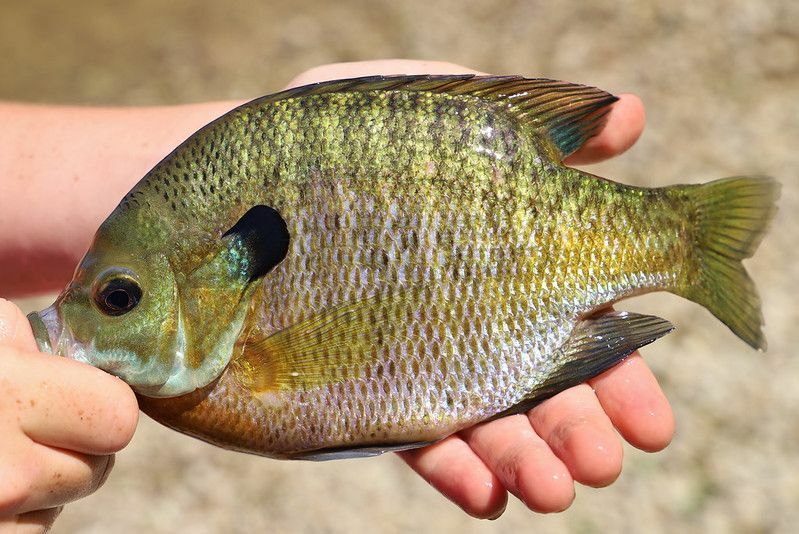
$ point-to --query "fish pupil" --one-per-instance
(119, 296)
(118, 299)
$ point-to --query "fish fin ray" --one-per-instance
(327, 347)
(732, 216)
(597, 343)
(565, 114)
(367, 451)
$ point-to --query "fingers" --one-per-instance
(51, 407)
(59, 402)
(457, 472)
(36, 522)
(66, 404)
(45, 478)
(567, 438)
(523, 462)
(624, 125)
(631, 397)
(576, 428)
(14, 329)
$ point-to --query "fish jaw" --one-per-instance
(53, 336)
(46, 326)
(153, 379)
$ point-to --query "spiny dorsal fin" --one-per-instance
(566, 114)
(596, 344)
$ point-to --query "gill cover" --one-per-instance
(213, 300)
(165, 327)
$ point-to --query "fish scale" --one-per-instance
(499, 378)
(372, 264)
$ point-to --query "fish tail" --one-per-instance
(731, 218)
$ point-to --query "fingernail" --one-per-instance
(499, 513)
(107, 471)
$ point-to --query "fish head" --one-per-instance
(165, 323)
(119, 312)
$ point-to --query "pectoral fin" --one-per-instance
(327, 347)
(596, 344)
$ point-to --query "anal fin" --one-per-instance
(597, 343)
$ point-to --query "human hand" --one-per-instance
(60, 423)
(570, 437)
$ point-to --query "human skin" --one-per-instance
(72, 165)
(60, 421)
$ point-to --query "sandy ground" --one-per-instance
(720, 80)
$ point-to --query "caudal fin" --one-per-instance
(733, 214)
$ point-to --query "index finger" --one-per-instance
(624, 124)
(66, 404)
(63, 403)
(386, 67)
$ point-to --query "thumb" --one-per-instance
(14, 328)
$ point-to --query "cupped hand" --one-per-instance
(60, 423)
(572, 437)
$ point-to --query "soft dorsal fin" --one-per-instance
(564, 113)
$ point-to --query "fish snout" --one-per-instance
(47, 329)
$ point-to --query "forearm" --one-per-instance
(62, 171)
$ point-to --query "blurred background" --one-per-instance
(720, 79)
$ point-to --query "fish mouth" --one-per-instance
(53, 336)
(47, 329)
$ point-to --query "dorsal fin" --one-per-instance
(566, 114)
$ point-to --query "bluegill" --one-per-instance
(371, 264)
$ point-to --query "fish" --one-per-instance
(372, 264)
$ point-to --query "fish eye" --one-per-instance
(117, 293)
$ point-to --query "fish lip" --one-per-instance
(46, 326)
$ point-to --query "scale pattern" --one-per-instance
(474, 253)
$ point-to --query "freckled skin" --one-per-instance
(447, 251)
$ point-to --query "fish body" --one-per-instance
(371, 264)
